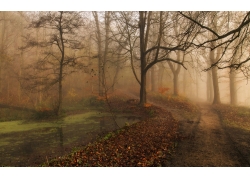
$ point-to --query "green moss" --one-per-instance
(108, 136)
(21, 125)
(5, 141)
(88, 117)
(18, 126)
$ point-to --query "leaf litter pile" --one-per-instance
(149, 142)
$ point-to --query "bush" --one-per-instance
(90, 101)
(8, 114)
(44, 113)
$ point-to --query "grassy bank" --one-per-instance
(147, 143)
(233, 116)
(184, 106)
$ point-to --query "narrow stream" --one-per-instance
(29, 143)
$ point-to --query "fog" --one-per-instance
(31, 52)
(52, 61)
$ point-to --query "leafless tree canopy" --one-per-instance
(46, 49)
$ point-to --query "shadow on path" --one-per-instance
(206, 143)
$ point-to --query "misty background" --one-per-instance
(48, 59)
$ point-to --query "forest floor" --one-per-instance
(207, 143)
(172, 133)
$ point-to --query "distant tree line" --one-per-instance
(44, 52)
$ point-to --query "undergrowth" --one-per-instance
(187, 108)
(234, 116)
(8, 114)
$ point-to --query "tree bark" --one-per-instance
(197, 85)
(209, 87)
(102, 54)
(233, 93)
(160, 77)
(105, 55)
(142, 23)
(21, 67)
(185, 83)
(100, 57)
(116, 72)
(216, 89)
(2, 48)
(176, 72)
(175, 80)
(61, 69)
(154, 79)
(213, 59)
(149, 85)
(159, 51)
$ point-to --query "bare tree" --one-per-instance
(175, 68)
(225, 38)
(103, 47)
(60, 50)
(210, 40)
(151, 40)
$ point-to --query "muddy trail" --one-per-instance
(205, 143)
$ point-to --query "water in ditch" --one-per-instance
(29, 143)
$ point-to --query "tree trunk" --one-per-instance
(215, 78)
(185, 83)
(8, 91)
(233, 93)
(116, 75)
(117, 70)
(213, 59)
(143, 89)
(59, 106)
(105, 55)
(60, 78)
(175, 80)
(143, 58)
(148, 82)
(197, 85)
(209, 87)
(153, 79)
(216, 86)
(21, 67)
(2, 48)
(176, 71)
(100, 60)
(160, 77)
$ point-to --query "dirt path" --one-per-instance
(206, 143)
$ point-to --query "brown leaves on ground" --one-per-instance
(146, 143)
(234, 116)
(173, 102)
(131, 106)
